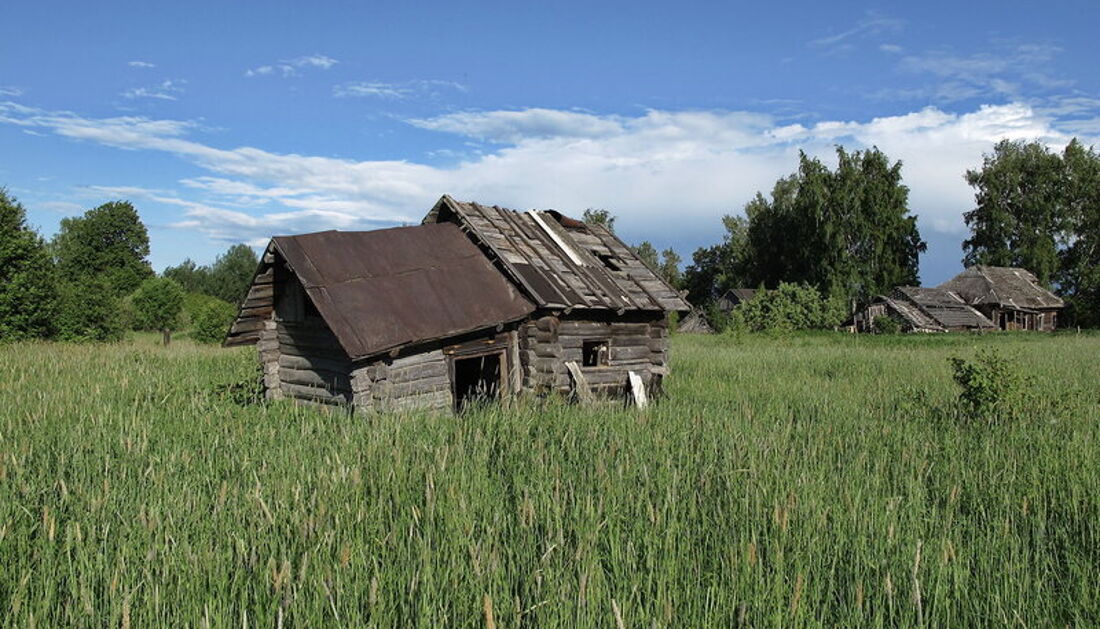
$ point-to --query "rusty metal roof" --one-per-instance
(383, 289)
(560, 262)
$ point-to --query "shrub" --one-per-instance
(992, 387)
(211, 320)
(28, 281)
(884, 324)
(89, 311)
(787, 308)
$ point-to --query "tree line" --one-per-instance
(92, 281)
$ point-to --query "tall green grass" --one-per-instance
(802, 481)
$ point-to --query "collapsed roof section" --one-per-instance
(559, 262)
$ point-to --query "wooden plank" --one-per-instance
(637, 389)
(629, 353)
(333, 383)
(312, 393)
(580, 384)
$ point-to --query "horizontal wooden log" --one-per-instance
(629, 353)
(419, 387)
(315, 362)
(247, 325)
(548, 350)
(313, 393)
(418, 359)
(425, 371)
(584, 328)
(329, 382)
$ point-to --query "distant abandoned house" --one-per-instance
(1011, 297)
(919, 309)
(734, 297)
(476, 302)
(694, 323)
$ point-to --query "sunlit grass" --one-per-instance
(818, 479)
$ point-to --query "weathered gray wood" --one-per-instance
(315, 362)
(418, 387)
(333, 383)
(637, 388)
(313, 393)
(422, 371)
(629, 353)
(580, 383)
(419, 358)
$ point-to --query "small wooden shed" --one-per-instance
(1011, 297)
(477, 302)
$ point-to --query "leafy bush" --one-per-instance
(211, 320)
(89, 311)
(992, 387)
(787, 308)
(884, 324)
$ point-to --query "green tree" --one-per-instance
(846, 232)
(192, 277)
(232, 273)
(157, 304)
(669, 268)
(1021, 214)
(596, 216)
(89, 311)
(28, 283)
(648, 254)
(210, 322)
(789, 307)
(1078, 278)
(108, 243)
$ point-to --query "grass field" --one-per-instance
(802, 481)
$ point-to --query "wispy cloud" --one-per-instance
(292, 67)
(165, 90)
(141, 64)
(1010, 70)
(10, 91)
(872, 25)
(418, 88)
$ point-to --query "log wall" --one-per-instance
(311, 365)
(546, 343)
(416, 382)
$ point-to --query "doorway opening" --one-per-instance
(477, 379)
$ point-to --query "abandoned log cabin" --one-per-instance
(1011, 297)
(476, 302)
(919, 309)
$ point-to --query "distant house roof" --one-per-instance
(1004, 287)
(560, 262)
(948, 309)
(378, 290)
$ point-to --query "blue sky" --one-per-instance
(228, 122)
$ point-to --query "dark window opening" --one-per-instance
(608, 260)
(476, 380)
(594, 353)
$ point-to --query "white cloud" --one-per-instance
(141, 64)
(872, 25)
(165, 90)
(407, 89)
(10, 91)
(665, 173)
(292, 67)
